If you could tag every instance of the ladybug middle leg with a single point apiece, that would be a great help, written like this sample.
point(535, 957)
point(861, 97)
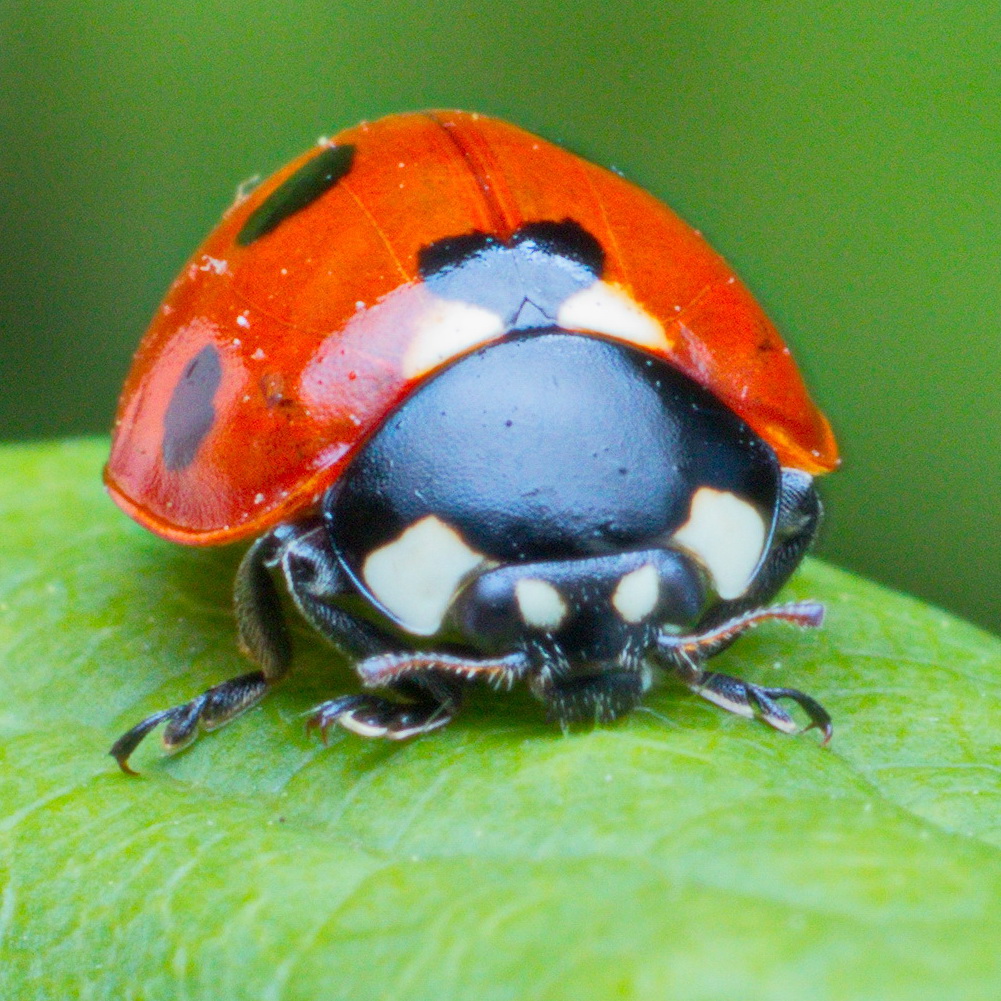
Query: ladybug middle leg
point(313, 578)
point(263, 636)
point(427, 704)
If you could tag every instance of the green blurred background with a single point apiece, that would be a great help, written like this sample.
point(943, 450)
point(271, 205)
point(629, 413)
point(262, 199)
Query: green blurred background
point(844, 157)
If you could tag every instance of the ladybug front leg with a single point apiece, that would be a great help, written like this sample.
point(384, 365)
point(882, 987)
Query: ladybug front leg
point(432, 685)
point(427, 704)
point(686, 653)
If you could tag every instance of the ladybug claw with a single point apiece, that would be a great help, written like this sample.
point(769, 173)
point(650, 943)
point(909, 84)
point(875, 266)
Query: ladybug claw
point(208, 711)
point(754, 701)
point(819, 717)
point(121, 750)
point(324, 716)
point(373, 716)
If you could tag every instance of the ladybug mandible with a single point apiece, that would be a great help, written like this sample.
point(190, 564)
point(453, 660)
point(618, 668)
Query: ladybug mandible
point(491, 412)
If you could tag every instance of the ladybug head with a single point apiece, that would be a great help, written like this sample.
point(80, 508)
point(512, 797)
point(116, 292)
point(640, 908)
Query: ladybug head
point(596, 609)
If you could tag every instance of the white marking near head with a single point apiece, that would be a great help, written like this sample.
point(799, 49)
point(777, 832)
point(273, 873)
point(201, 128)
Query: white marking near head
point(636, 594)
point(415, 577)
point(728, 535)
point(604, 309)
point(539, 603)
point(448, 328)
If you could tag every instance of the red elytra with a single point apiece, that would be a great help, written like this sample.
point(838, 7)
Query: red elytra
point(300, 330)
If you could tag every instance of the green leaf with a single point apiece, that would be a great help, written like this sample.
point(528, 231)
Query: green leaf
point(684, 855)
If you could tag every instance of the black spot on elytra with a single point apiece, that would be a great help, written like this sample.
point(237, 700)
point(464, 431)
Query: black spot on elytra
point(450, 252)
point(310, 181)
point(190, 414)
point(523, 280)
point(566, 239)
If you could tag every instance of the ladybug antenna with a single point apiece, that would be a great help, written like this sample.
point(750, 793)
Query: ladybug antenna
point(700, 646)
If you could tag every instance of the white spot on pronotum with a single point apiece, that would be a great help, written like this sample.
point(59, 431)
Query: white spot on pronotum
point(539, 603)
point(728, 535)
point(636, 594)
point(415, 576)
point(446, 330)
point(604, 309)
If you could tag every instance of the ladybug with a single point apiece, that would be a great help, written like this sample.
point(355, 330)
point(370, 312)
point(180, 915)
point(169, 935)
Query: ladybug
point(490, 412)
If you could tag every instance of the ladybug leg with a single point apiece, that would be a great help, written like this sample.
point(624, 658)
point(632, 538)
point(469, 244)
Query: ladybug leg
point(799, 517)
point(373, 716)
point(432, 697)
point(432, 683)
point(754, 701)
point(300, 552)
point(386, 669)
point(314, 579)
point(686, 653)
point(263, 636)
point(430, 703)
point(209, 711)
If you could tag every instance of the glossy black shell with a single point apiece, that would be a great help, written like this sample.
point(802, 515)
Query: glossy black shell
point(549, 446)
